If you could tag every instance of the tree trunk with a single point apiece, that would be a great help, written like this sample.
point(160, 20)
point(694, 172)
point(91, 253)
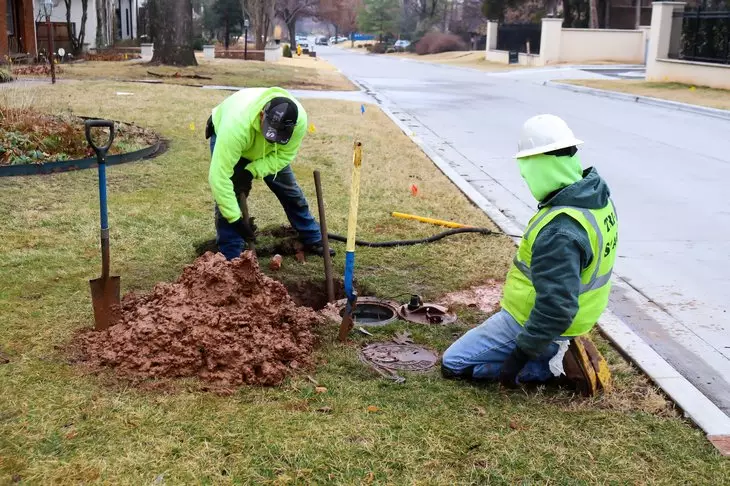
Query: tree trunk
point(173, 28)
point(77, 41)
point(607, 12)
point(567, 15)
point(227, 33)
point(292, 27)
point(102, 25)
point(593, 14)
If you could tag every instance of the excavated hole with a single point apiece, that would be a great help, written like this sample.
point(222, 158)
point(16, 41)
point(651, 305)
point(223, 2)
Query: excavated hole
point(371, 313)
point(313, 292)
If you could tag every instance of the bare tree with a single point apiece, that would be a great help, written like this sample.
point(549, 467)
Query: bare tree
point(291, 10)
point(172, 32)
point(104, 23)
point(261, 13)
point(77, 41)
point(341, 13)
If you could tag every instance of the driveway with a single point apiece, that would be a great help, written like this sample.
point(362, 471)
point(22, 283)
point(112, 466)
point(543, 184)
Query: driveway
point(668, 170)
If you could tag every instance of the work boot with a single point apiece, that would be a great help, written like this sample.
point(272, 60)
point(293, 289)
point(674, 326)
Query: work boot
point(585, 368)
point(317, 249)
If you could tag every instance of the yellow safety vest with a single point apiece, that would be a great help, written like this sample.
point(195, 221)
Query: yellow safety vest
point(602, 228)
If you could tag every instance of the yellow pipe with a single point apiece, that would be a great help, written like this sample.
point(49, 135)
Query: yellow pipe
point(354, 197)
point(438, 222)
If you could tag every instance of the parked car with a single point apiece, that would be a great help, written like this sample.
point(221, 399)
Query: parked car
point(401, 45)
point(304, 45)
point(321, 41)
point(342, 38)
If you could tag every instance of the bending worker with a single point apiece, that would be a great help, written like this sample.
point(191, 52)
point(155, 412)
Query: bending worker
point(255, 134)
point(559, 281)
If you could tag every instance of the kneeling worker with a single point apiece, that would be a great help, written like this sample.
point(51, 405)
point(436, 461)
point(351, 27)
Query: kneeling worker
point(255, 134)
point(559, 281)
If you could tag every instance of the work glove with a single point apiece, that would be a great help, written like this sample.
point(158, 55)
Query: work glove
point(246, 229)
point(512, 367)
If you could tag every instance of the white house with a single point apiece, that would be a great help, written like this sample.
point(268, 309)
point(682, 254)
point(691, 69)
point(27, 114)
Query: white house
point(122, 24)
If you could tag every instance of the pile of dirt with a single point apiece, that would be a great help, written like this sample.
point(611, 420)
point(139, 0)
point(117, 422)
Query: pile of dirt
point(224, 322)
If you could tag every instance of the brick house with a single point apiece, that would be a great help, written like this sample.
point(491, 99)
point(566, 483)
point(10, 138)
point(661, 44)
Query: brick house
point(17, 28)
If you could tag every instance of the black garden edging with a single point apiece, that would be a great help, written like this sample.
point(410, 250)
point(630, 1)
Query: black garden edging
point(153, 150)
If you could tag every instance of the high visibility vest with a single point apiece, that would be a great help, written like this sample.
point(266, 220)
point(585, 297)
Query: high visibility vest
point(601, 225)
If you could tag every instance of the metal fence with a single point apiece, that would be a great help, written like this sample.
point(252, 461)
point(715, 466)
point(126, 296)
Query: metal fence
point(515, 37)
point(705, 36)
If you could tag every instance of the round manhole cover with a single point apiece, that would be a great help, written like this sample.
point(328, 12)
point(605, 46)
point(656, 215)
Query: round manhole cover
point(399, 357)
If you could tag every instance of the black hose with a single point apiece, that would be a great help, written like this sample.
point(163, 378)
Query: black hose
point(430, 239)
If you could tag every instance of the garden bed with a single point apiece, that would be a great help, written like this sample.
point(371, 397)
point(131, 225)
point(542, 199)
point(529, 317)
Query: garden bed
point(31, 137)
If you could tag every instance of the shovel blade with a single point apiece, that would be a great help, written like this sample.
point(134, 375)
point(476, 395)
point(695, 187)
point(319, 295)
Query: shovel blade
point(105, 297)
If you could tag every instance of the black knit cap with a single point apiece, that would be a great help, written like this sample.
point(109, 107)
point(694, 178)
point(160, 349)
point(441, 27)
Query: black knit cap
point(280, 118)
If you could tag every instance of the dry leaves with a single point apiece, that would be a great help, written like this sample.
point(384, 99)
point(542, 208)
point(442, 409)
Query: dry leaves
point(403, 338)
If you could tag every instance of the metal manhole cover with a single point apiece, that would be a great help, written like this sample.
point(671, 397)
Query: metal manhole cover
point(399, 357)
point(427, 314)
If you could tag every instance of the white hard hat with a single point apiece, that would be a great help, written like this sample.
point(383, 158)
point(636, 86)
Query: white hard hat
point(544, 133)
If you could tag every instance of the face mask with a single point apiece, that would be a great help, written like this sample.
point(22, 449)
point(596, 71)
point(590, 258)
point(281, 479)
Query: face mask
point(546, 174)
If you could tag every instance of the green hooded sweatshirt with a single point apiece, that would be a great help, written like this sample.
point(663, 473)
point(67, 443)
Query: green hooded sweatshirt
point(560, 252)
point(237, 122)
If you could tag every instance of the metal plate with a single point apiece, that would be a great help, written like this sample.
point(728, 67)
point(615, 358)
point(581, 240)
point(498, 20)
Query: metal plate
point(427, 314)
point(398, 357)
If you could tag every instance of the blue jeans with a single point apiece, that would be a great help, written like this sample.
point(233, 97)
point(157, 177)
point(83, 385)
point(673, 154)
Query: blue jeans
point(481, 352)
point(284, 186)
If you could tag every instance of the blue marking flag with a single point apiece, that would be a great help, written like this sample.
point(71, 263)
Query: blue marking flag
point(362, 109)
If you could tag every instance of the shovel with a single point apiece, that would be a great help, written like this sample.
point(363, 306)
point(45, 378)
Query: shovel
point(347, 318)
point(105, 291)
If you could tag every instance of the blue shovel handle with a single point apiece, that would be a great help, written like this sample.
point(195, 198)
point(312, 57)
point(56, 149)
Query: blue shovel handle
point(101, 160)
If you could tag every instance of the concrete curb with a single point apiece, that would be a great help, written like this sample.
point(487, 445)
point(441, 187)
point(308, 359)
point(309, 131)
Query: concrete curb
point(698, 110)
point(696, 406)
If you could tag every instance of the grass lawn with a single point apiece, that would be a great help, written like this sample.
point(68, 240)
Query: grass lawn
point(60, 425)
point(301, 73)
point(694, 95)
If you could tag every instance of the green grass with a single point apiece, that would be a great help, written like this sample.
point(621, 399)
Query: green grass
point(59, 424)
point(306, 74)
point(683, 93)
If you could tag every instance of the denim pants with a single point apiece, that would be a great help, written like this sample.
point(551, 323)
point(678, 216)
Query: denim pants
point(284, 186)
point(481, 352)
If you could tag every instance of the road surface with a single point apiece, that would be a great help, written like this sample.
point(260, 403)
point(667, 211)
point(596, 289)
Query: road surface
point(669, 172)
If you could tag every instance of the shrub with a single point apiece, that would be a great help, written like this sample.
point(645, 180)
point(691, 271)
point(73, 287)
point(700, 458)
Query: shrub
point(286, 52)
point(5, 76)
point(198, 43)
point(435, 42)
point(378, 48)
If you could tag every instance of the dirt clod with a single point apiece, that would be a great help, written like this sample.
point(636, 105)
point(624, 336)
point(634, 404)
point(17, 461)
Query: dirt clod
point(275, 262)
point(224, 322)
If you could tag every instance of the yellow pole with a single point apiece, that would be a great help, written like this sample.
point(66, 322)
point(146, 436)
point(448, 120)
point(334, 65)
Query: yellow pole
point(354, 197)
point(422, 219)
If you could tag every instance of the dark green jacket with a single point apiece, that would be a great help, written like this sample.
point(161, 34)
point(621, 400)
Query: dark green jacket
point(560, 252)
